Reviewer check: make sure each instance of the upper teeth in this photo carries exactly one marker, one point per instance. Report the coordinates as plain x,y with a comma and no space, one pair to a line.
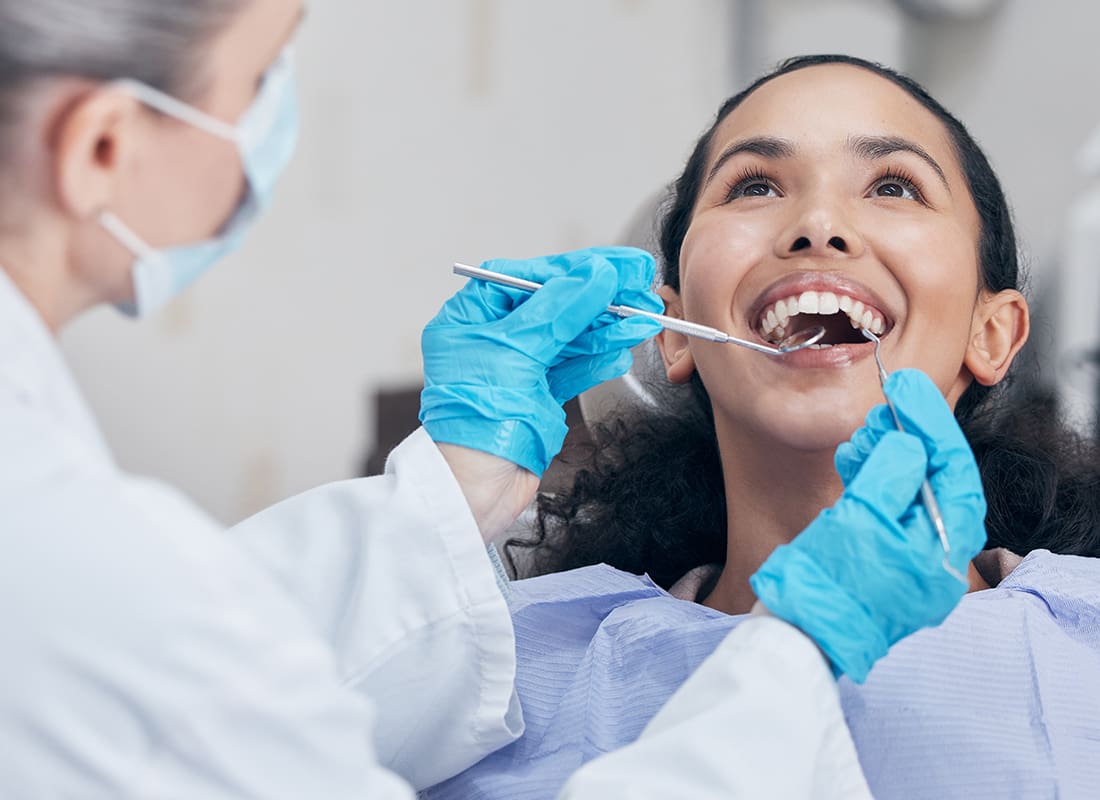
773,321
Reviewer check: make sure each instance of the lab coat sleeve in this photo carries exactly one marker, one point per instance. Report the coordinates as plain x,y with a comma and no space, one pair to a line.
146,656
761,717
393,571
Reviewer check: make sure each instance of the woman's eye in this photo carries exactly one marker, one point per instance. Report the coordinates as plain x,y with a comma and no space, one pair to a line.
752,187
757,190
896,187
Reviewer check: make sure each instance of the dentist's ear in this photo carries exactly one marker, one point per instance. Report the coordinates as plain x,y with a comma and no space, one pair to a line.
91,138
675,353
1000,328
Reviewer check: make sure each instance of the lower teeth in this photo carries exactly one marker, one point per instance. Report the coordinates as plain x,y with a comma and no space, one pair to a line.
819,346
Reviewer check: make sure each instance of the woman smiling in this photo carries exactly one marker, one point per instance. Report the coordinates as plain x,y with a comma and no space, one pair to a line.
832,191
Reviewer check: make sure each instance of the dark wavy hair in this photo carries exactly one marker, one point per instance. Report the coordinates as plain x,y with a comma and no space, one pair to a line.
649,498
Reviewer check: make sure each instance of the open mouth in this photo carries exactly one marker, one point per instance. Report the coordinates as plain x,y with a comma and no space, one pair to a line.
842,317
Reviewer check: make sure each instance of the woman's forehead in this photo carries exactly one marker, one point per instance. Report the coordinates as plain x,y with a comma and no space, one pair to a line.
822,107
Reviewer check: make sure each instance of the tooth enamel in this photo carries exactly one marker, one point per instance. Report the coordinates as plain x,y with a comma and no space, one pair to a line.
773,321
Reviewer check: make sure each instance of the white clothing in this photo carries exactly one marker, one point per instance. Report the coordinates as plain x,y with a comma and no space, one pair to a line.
145,653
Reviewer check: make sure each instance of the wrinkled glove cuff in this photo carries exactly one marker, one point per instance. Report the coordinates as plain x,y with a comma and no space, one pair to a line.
794,588
529,440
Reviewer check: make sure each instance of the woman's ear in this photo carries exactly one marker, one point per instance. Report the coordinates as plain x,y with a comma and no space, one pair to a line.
1001,325
675,353
90,136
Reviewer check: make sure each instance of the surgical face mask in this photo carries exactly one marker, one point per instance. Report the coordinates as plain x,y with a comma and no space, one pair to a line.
265,138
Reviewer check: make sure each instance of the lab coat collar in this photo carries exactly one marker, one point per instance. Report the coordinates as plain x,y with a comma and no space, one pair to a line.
33,372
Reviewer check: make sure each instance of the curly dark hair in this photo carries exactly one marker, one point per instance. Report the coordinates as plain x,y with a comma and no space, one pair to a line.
633,506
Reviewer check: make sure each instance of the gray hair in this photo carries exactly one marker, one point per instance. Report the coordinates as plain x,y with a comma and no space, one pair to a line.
158,42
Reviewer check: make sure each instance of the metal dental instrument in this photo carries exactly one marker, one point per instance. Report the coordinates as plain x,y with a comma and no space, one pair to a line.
927,496
796,341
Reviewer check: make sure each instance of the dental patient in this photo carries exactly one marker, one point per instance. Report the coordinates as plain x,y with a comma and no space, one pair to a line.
831,192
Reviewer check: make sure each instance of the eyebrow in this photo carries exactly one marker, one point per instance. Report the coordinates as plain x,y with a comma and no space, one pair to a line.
874,147
866,147
765,146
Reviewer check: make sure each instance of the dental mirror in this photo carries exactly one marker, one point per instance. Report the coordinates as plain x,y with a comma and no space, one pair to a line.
796,341
800,339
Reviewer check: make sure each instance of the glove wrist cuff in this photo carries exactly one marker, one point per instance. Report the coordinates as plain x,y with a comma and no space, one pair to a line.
794,588
513,440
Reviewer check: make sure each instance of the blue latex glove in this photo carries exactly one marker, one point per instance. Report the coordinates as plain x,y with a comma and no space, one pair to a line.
869,570
500,362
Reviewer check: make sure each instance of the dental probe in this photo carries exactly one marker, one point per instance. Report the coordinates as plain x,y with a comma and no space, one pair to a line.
926,494
796,341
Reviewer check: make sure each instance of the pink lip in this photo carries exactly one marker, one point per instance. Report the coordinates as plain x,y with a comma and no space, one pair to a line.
815,281
839,355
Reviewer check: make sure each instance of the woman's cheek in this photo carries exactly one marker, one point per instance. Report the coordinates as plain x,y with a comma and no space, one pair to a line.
715,258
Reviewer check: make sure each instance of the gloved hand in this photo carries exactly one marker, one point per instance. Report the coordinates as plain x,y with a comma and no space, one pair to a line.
869,570
500,362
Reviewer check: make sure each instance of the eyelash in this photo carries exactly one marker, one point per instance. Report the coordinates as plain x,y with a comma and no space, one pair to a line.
747,178
755,175
900,177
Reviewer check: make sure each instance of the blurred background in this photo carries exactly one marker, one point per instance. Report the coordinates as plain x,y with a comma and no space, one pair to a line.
459,130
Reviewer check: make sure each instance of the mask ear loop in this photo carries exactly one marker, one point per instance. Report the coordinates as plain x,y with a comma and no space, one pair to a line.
126,236
174,107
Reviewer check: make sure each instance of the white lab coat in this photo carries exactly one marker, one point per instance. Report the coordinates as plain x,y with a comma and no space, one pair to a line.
145,652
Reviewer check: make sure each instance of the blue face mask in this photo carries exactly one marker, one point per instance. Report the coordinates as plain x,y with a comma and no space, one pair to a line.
265,138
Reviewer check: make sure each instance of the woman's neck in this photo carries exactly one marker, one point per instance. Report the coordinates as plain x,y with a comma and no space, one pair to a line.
772,493
37,268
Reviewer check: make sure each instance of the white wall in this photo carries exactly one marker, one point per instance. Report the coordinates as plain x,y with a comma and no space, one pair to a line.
435,131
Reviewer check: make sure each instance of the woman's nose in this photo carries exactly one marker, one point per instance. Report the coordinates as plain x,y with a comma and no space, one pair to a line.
819,229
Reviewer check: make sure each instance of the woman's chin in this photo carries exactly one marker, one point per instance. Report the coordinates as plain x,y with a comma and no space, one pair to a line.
786,436
815,438
801,422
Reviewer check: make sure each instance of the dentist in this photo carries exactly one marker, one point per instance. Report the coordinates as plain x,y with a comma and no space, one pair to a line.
354,640
147,652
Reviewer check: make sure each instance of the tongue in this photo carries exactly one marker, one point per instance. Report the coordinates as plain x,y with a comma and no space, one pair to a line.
838,328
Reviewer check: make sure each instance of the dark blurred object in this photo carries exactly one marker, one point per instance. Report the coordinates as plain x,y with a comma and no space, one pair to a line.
396,414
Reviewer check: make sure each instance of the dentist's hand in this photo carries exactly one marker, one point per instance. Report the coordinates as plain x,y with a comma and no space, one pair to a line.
500,362
869,570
